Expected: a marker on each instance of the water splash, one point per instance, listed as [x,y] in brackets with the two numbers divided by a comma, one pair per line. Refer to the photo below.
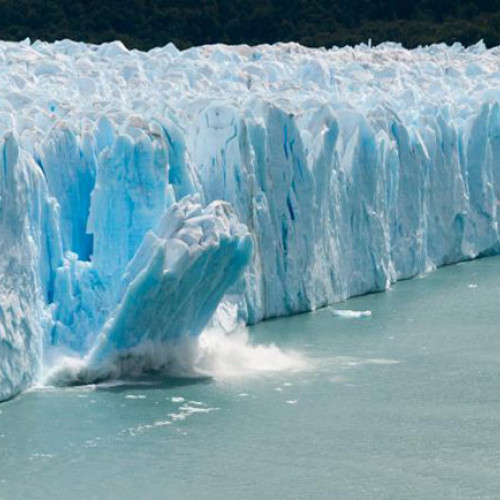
[216,354]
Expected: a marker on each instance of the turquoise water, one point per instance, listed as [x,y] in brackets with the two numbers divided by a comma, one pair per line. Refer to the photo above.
[402,405]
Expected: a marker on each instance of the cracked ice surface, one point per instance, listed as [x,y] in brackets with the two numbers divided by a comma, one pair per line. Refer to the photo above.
[351,168]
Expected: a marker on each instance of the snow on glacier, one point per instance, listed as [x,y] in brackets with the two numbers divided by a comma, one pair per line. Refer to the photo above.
[348,169]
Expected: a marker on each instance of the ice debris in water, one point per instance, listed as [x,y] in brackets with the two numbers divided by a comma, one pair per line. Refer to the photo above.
[348,168]
[346,313]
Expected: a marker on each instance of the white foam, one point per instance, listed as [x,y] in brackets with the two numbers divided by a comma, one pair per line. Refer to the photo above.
[186,411]
[34,456]
[354,362]
[222,355]
[162,423]
[216,354]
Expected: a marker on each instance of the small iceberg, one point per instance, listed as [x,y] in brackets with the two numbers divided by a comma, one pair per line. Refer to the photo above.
[347,313]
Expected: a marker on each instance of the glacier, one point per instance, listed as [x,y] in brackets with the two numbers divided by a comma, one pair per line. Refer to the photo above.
[145,194]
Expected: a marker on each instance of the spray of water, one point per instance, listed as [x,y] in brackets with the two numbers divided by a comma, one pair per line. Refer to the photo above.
[217,353]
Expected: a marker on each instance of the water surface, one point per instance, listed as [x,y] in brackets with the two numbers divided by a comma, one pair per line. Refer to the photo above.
[404,404]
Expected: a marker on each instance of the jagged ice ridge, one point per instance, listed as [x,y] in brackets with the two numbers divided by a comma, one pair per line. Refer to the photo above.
[138,190]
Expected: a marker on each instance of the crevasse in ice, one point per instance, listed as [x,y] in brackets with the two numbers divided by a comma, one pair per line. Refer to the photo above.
[133,185]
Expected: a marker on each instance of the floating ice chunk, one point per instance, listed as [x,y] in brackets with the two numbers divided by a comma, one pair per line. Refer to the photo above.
[346,313]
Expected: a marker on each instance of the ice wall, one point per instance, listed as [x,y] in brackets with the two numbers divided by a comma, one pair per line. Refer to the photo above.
[28,253]
[351,168]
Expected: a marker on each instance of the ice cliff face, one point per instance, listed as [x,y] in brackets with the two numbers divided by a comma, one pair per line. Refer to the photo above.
[348,169]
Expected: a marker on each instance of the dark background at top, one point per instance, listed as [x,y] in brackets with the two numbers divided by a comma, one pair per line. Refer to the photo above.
[149,23]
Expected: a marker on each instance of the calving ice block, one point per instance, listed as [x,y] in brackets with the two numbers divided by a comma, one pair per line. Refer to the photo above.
[134,186]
